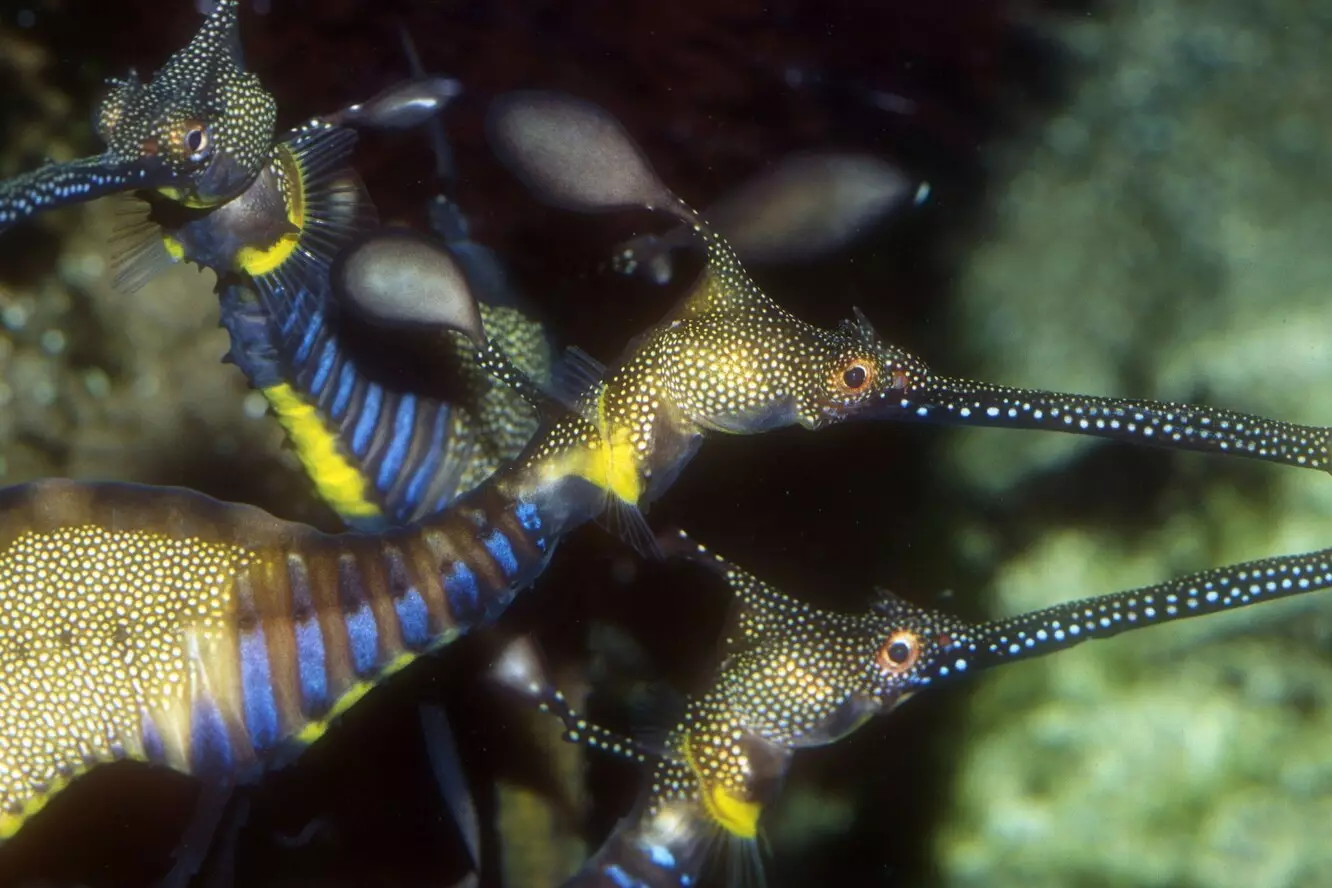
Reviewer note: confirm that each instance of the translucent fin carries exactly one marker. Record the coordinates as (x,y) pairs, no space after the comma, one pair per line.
(520,669)
(140,253)
(446,765)
(626,521)
(215,800)
(576,374)
(335,210)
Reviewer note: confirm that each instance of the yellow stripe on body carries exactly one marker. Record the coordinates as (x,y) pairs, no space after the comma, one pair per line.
(610,461)
(337,479)
(259,261)
(12,821)
(316,729)
(737,816)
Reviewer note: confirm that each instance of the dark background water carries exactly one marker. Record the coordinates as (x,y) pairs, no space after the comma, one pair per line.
(713,91)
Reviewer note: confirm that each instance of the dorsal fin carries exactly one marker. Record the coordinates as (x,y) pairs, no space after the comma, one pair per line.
(758,610)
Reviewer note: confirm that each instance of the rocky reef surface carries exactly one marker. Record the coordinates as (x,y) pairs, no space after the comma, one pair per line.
(1165,235)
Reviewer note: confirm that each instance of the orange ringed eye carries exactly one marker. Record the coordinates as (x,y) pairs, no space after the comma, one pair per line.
(855,377)
(899,653)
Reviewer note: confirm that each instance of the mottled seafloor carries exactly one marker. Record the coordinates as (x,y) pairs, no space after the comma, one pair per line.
(1160,229)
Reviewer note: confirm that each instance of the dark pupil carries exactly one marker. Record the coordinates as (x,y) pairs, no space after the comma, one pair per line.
(854,377)
(193,139)
(899,651)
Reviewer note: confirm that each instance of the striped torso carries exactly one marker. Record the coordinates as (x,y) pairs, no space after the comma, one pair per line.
(378,455)
(215,639)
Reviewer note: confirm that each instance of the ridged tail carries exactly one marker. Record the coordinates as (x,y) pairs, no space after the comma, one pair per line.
(319,621)
(211,638)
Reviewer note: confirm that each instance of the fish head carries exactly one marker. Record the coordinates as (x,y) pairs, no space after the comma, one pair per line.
(852,372)
(198,133)
(203,120)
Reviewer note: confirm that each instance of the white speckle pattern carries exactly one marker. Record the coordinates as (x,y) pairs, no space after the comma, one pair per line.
(1164,424)
(1207,592)
(202,126)
(729,359)
(91,639)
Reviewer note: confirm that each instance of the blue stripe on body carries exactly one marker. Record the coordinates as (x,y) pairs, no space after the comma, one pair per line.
(413,618)
(346,385)
(434,453)
(499,547)
(403,422)
(312,665)
(622,879)
(293,314)
(210,744)
(308,342)
(461,589)
(369,418)
(529,518)
(661,856)
(363,633)
(261,715)
(328,358)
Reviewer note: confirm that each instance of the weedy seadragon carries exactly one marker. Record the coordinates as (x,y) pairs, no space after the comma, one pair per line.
(217,638)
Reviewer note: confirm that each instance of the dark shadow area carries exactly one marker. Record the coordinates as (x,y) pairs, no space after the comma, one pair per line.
(713,91)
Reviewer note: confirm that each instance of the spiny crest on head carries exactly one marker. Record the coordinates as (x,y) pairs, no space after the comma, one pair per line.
(201,113)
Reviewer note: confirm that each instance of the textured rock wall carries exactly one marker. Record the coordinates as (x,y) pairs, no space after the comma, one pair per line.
(1165,236)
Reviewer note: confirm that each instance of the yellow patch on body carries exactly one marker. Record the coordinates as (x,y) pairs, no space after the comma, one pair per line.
(338,481)
(258,261)
(609,460)
(737,816)
(175,249)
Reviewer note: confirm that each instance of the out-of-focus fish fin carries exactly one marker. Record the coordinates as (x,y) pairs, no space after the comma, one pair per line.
(139,253)
(446,765)
(209,821)
(446,169)
(519,668)
(651,256)
(222,872)
(576,374)
(620,668)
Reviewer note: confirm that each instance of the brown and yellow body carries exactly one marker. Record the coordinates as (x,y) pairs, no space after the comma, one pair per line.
(210,637)
(165,626)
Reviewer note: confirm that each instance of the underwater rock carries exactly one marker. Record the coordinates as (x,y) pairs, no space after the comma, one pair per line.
(99,384)
(1164,237)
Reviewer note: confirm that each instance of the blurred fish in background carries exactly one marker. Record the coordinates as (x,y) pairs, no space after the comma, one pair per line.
(1126,199)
